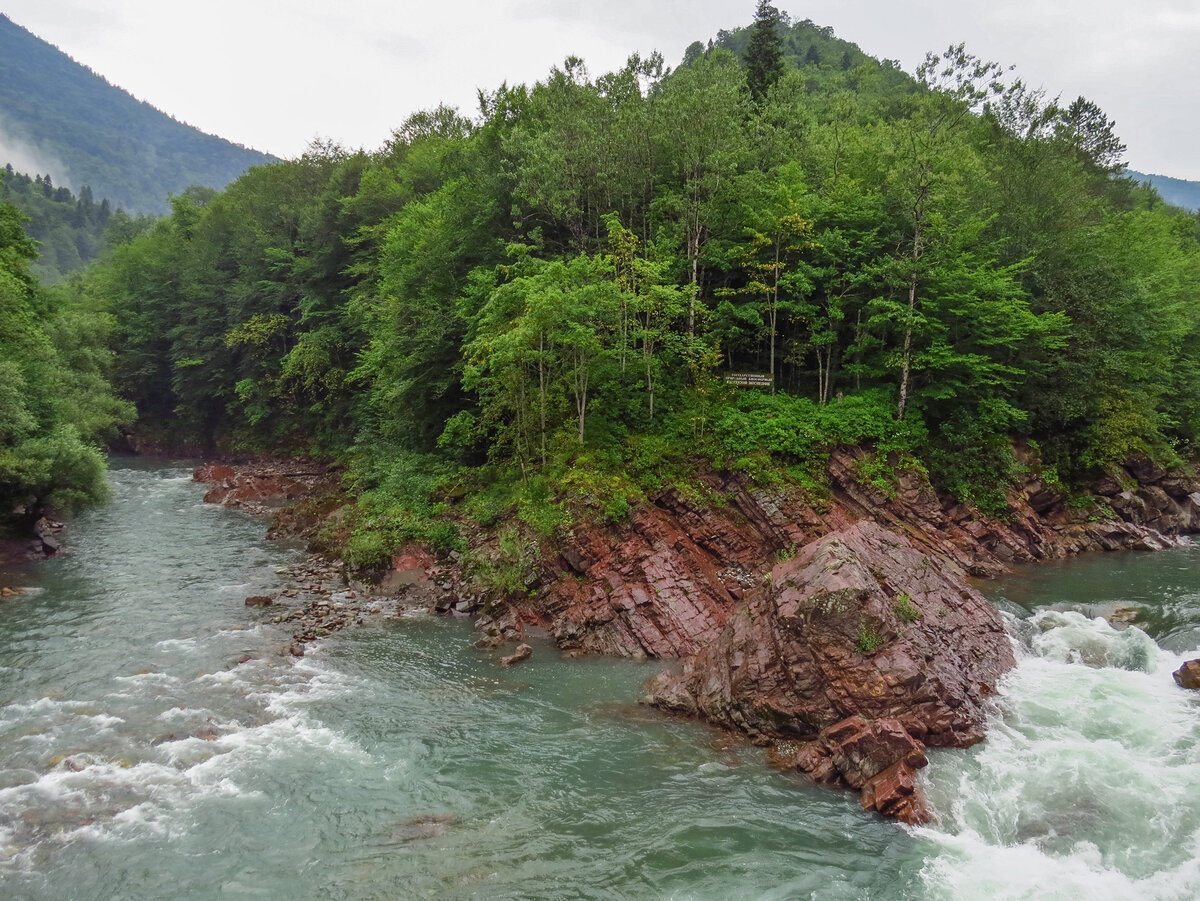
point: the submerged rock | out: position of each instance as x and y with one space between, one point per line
522 653
423 827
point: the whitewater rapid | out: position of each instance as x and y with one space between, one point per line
1088 785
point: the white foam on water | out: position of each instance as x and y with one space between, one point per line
972 868
123 801
224 678
102 721
153 789
248 631
1070 637
138 680
184 714
309 680
176 644
20 710
1088 785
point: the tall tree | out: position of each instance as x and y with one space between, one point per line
764 52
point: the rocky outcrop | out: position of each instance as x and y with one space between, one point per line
863 646
839 626
877 757
794 615
520 655
859 623
664 583
44 539
260 487
1188 675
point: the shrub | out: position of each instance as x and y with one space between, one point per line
868 639
905 608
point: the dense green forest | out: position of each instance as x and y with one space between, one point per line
56 405
535 309
70 231
84 130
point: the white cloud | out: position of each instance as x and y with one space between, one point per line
274 73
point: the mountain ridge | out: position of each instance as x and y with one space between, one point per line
58 115
1178 191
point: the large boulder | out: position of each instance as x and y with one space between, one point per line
859 623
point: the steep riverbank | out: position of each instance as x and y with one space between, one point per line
843 628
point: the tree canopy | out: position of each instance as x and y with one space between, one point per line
551 292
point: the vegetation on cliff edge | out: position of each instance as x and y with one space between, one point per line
535 308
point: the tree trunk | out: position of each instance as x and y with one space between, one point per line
542 390
906 358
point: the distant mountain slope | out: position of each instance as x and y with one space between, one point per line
1173 190
59 117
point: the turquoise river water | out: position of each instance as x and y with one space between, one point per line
139 760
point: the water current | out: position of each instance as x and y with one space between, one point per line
140 760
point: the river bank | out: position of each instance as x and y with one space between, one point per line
843 631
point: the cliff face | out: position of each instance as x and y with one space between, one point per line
664 583
859 622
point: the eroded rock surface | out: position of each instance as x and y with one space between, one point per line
858 623
1188 675
864 647
259 487
664 582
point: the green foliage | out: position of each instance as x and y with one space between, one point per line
398 501
54 397
904 608
868 639
536 308
764 51
796 430
71 231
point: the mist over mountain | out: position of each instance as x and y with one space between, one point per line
60 118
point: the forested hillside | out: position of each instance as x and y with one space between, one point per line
802 44
84 131
536 307
1178 191
56 405
70 231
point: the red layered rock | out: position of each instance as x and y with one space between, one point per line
858 623
664 583
257 487
894 793
877 757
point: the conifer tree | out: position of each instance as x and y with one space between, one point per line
764 52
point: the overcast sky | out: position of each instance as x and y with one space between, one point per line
275 74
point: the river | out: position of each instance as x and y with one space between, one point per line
140 760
